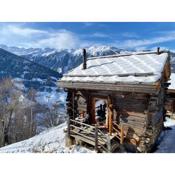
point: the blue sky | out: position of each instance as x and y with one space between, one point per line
62 35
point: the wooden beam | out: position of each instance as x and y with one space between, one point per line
96 138
108 143
143 88
68 127
110 114
122 134
167 71
73 104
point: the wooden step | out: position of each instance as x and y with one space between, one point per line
115 146
86 139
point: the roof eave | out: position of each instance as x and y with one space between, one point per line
125 87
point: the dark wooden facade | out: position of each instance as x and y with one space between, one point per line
135 114
170 103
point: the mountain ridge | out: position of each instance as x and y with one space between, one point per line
61 60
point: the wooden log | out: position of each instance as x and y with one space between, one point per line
121 134
137 114
68 127
136 119
142 88
110 114
134 123
109 143
73 100
96 138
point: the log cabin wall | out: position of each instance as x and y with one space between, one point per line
170 103
155 118
141 114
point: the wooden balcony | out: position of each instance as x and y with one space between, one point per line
97 137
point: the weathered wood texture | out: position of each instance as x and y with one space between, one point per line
140 114
143 88
138 108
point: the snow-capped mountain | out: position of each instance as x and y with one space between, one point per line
61 60
31 74
64 60
26 75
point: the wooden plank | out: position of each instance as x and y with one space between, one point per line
134 124
87 139
114 146
104 94
73 103
84 130
77 137
68 127
108 143
137 114
83 124
147 88
96 137
122 134
110 114
136 118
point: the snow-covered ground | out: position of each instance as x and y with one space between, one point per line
167 138
49 141
53 141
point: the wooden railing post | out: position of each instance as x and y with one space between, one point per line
108 143
110 114
121 134
96 138
68 127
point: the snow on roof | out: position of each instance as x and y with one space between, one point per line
136 67
172 81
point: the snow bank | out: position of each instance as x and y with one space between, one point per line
172 81
50 141
167 138
53 141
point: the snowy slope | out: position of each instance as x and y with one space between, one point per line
53 141
167 138
49 141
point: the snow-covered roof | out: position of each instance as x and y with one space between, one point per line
132 68
172 81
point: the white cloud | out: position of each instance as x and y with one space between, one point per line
59 40
23 36
19 35
133 43
22 31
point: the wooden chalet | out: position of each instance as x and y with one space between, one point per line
117 101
